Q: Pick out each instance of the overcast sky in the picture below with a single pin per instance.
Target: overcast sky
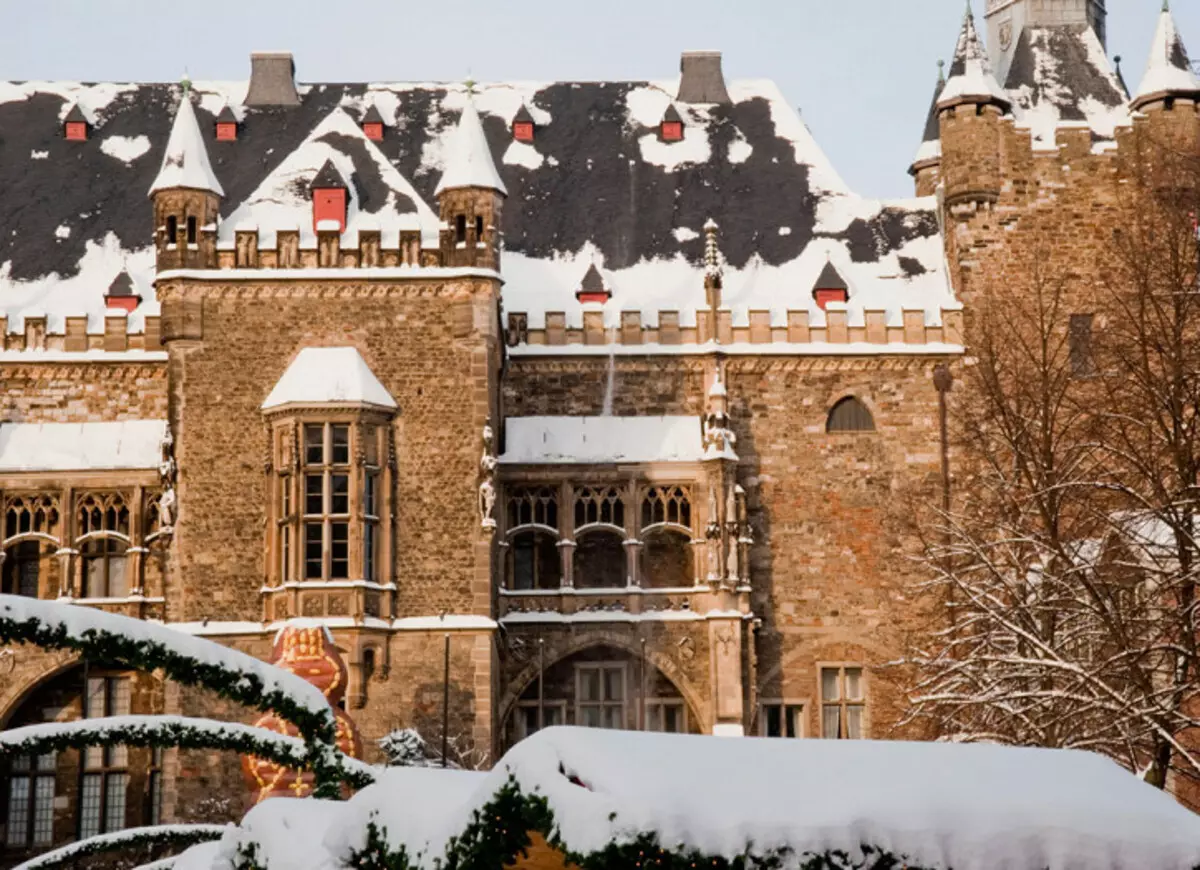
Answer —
(861, 71)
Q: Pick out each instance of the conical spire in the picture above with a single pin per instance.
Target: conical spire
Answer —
(931, 146)
(971, 79)
(1168, 72)
(469, 159)
(185, 164)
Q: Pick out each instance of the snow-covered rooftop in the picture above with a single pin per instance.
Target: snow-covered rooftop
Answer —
(575, 440)
(938, 805)
(971, 75)
(1168, 70)
(185, 162)
(329, 375)
(469, 160)
(131, 444)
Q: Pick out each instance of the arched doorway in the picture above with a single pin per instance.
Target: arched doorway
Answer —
(602, 686)
(59, 797)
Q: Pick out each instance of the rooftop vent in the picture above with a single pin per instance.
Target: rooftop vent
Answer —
(702, 80)
(272, 79)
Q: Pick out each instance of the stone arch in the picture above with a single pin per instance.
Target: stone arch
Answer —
(851, 413)
(16, 694)
(580, 641)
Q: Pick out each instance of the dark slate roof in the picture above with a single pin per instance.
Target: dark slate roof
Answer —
(830, 279)
(593, 281)
(122, 285)
(523, 116)
(227, 116)
(372, 116)
(75, 116)
(327, 177)
(932, 130)
(1060, 74)
(672, 116)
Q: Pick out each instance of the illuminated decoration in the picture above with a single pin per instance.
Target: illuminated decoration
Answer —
(308, 652)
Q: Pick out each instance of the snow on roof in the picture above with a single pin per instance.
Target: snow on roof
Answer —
(939, 805)
(971, 76)
(129, 444)
(185, 162)
(1060, 76)
(931, 146)
(329, 375)
(1168, 70)
(335, 149)
(561, 440)
(469, 161)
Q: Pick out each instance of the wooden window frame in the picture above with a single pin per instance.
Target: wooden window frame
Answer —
(327, 469)
(519, 730)
(843, 702)
(603, 704)
(660, 703)
(801, 706)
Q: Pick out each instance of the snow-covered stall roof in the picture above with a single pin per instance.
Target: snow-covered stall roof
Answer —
(939, 805)
(130, 444)
(578, 440)
(596, 183)
(1060, 76)
(1168, 70)
(329, 375)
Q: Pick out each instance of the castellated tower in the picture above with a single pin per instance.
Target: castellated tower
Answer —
(470, 197)
(187, 197)
(970, 107)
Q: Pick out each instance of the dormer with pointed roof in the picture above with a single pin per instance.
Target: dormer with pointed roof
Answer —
(121, 293)
(592, 288)
(329, 199)
(227, 125)
(187, 196)
(372, 124)
(470, 195)
(1169, 74)
(75, 125)
(830, 286)
(929, 153)
(523, 125)
(670, 128)
(971, 80)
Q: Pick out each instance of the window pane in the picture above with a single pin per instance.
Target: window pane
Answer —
(27, 571)
(829, 685)
(795, 721)
(97, 698)
(156, 798)
(114, 810)
(527, 717)
(285, 554)
(89, 806)
(314, 444)
(369, 507)
(523, 561)
(119, 697)
(854, 722)
(43, 811)
(118, 577)
(614, 717)
(46, 762)
(552, 715)
(589, 685)
(854, 684)
(672, 716)
(590, 716)
(339, 494)
(831, 721)
(285, 496)
(313, 544)
(18, 810)
(772, 720)
(314, 494)
(371, 444)
(369, 552)
(340, 443)
(614, 684)
(339, 549)
(22, 762)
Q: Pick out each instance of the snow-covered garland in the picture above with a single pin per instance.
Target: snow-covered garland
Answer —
(499, 832)
(167, 732)
(164, 836)
(134, 643)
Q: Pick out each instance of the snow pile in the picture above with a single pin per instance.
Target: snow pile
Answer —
(81, 446)
(1168, 70)
(72, 853)
(185, 163)
(329, 375)
(125, 148)
(961, 806)
(563, 440)
(469, 160)
(282, 202)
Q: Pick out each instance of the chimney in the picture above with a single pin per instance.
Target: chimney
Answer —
(702, 80)
(272, 79)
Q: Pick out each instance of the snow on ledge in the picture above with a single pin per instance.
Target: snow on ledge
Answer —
(573, 440)
(131, 444)
(377, 273)
(79, 356)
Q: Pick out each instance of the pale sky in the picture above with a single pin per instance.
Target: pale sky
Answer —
(861, 71)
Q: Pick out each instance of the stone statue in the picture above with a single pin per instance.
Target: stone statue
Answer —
(166, 509)
(487, 503)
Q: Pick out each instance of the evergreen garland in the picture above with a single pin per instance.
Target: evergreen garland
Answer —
(162, 836)
(317, 727)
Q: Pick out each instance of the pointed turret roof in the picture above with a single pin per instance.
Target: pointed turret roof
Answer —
(185, 163)
(971, 79)
(122, 285)
(469, 158)
(1168, 72)
(931, 145)
(593, 281)
(327, 177)
(227, 116)
(671, 115)
(372, 116)
(523, 116)
(75, 116)
(830, 279)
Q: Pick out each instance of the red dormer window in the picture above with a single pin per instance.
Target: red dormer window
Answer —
(670, 129)
(75, 126)
(830, 287)
(522, 125)
(372, 124)
(328, 199)
(592, 288)
(824, 297)
(227, 126)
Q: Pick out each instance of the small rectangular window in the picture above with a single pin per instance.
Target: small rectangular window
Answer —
(191, 230)
(781, 720)
(172, 230)
(339, 493)
(1080, 344)
(843, 702)
(478, 229)
(314, 494)
(313, 551)
(460, 229)
(340, 442)
(369, 552)
(339, 551)
(285, 554)
(314, 445)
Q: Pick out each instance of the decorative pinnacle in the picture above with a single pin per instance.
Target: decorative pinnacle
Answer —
(186, 82)
(470, 84)
(712, 254)
(942, 71)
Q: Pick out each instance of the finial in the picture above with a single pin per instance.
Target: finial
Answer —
(1166, 5)
(186, 82)
(470, 84)
(712, 254)
(942, 71)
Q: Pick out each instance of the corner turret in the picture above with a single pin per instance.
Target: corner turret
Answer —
(926, 168)
(970, 107)
(186, 196)
(1168, 78)
(470, 196)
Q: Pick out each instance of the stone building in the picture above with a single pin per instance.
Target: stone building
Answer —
(612, 396)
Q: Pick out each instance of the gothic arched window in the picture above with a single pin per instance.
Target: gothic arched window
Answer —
(850, 415)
